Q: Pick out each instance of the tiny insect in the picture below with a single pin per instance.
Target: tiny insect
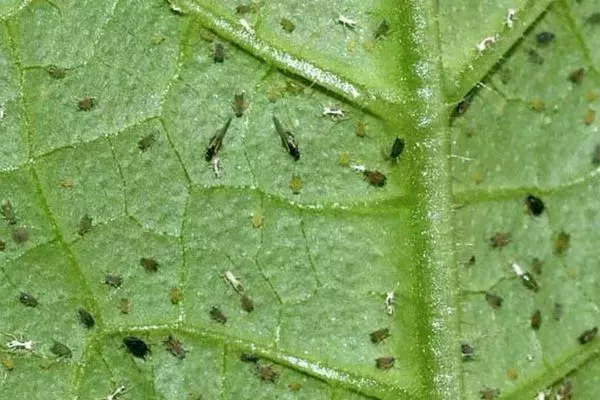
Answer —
(247, 303)
(375, 178)
(467, 351)
(149, 264)
(397, 148)
(335, 113)
(217, 315)
(564, 391)
(28, 300)
(296, 184)
(20, 235)
(214, 146)
(16, 344)
(239, 106)
(347, 22)
(499, 240)
(218, 52)
(577, 76)
(258, 220)
(175, 295)
(536, 265)
(361, 128)
(382, 29)
(493, 300)
(147, 141)
(287, 25)
(243, 9)
(379, 335)
(535, 57)
(85, 225)
(248, 357)
(294, 386)
(472, 260)
(215, 164)
(233, 281)
(136, 346)
(124, 305)
(175, 347)
(385, 362)
(544, 38)
(61, 350)
(113, 280)
(390, 302)
(511, 16)
(266, 372)
(512, 374)
(588, 336)
(562, 242)
(590, 116)
(67, 183)
(596, 155)
(8, 363)
(465, 103)
(116, 393)
(287, 140)
(247, 26)
(558, 311)
(8, 213)
(486, 43)
(535, 205)
(536, 320)
(86, 318)
(56, 72)
(2, 245)
(526, 278)
(489, 394)
(86, 104)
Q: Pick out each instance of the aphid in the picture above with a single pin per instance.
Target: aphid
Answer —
(467, 351)
(147, 141)
(215, 164)
(287, 140)
(588, 336)
(124, 305)
(56, 72)
(247, 303)
(247, 26)
(296, 184)
(558, 311)
(20, 235)
(335, 113)
(214, 146)
(535, 205)
(116, 393)
(375, 178)
(85, 225)
(149, 264)
(217, 315)
(536, 265)
(136, 346)
(397, 148)
(512, 374)
(379, 335)
(382, 30)
(561, 244)
(113, 280)
(294, 386)
(590, 116)
(67, 183)
(9, 213)
(493, 300)
(577, 76)
(344, 160)
(248, 357)
(544, 38)
(175, 295)
(511, 16)
(489, 394)
(536, 320)
(239, 106)
(86, 104)
(2, 245)
(266, 372)
(287, 25)
(526, 278)
(243, 9)
(465, 103)
(499, 240)
(485, 43)
(347, 22)
(61, 350)
(233, 281)
(596, 156)
(593, 19)
(8, 363)
(86, 318)
(386, 362)
(390, 302)
(471, 260)
(535, 57)
(361, 128)
(218, 52)
(16, 344)
(28, 300)
(175, 347)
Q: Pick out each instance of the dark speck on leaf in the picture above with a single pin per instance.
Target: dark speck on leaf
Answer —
(467, 351)
(60, 350)
(9, 213)
(375, 178)
(561, 244)
(56, 72)
(20, 235)
(588, 336)
(175, 295)
(558, 311)
(593, 19)
(382, 30)
(577, 76)
(465, 103)
(499, 240)
(136, 346)
(248, 357)
(379, 335)
(28, 300)
(266, 372)
(239, 105)
(113, 280)
(2, 245)
(247, 303)
(147, 141)
(385, 362)
(86, 318)
(218, 52)
(85, 225)
(544, 38)
(287, 25)
(86, 104)
(243, 9)
(596, 156)
(175, 347)
(489, 394)
(536, 320)
(217, 315)
(535, 205)
(397, 148)
(493, 300)
(149, 264)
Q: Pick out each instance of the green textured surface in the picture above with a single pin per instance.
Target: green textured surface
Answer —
(320, 261)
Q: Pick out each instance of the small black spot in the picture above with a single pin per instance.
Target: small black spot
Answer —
(529, 282)
(588, 336)
(287, 140)
(217, 315)
(596, 155)
(113, 280)
(248, 357)
(2, 245)
(379, 335)
(147, 141)
(472, 260)
(247, 303)
(577, 76)
(287, 25)
(465, 103)
(558, 311)
(136, 346)
(61, 350)
(375, 178)
(386, 362)
(86, 104)
(218, 52)
(85, 225)
(397, 148)
(86, 318)
(214, 146)
(536, 320)
(467, 351)
(544, 38)
(493, 300)
(28, 300)
(20, 235)
(149, 264)
(534, 204)
(382, 30)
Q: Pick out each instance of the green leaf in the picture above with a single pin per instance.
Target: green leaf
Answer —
(110, 206)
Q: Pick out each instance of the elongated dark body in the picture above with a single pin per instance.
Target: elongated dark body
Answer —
(287, 140)
(216, 142)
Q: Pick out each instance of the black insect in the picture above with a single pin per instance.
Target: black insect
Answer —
(287, 140)
(175, 347)
(60, 350)
(379, 335)
(149, 264)
(588, 336)
(382, 30)
(113, 280)
(20, 235)
(28, 300)
(239, 105)
(86, 104)
(467, 351)
(217, 315)
(534, 204)
(136, 346)
(465, 103)
(386, 362)
(397, 148)
(218, 52)
(2, 245)
(9, 213)
(596, 155)
(577, 76)
(86, 318)
(544, 38)
(248, 357)
(558, 311)
(85, 225)
(147, 141)
(247, 303)
(493, 300)
(216, 142)
(536, 320)
(243, 9)
(375, 178)
(529, 282)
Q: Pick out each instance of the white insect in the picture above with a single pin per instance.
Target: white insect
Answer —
(247, 26)
(20, 345)
(234, 282)
(517, 269)
(485, 43)
(511, 16)
(390, 302)
(1, 113)
(541, 395)
(358, 168)
(215, 163)
(116, 393)
(347, 22)
(334, 112)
